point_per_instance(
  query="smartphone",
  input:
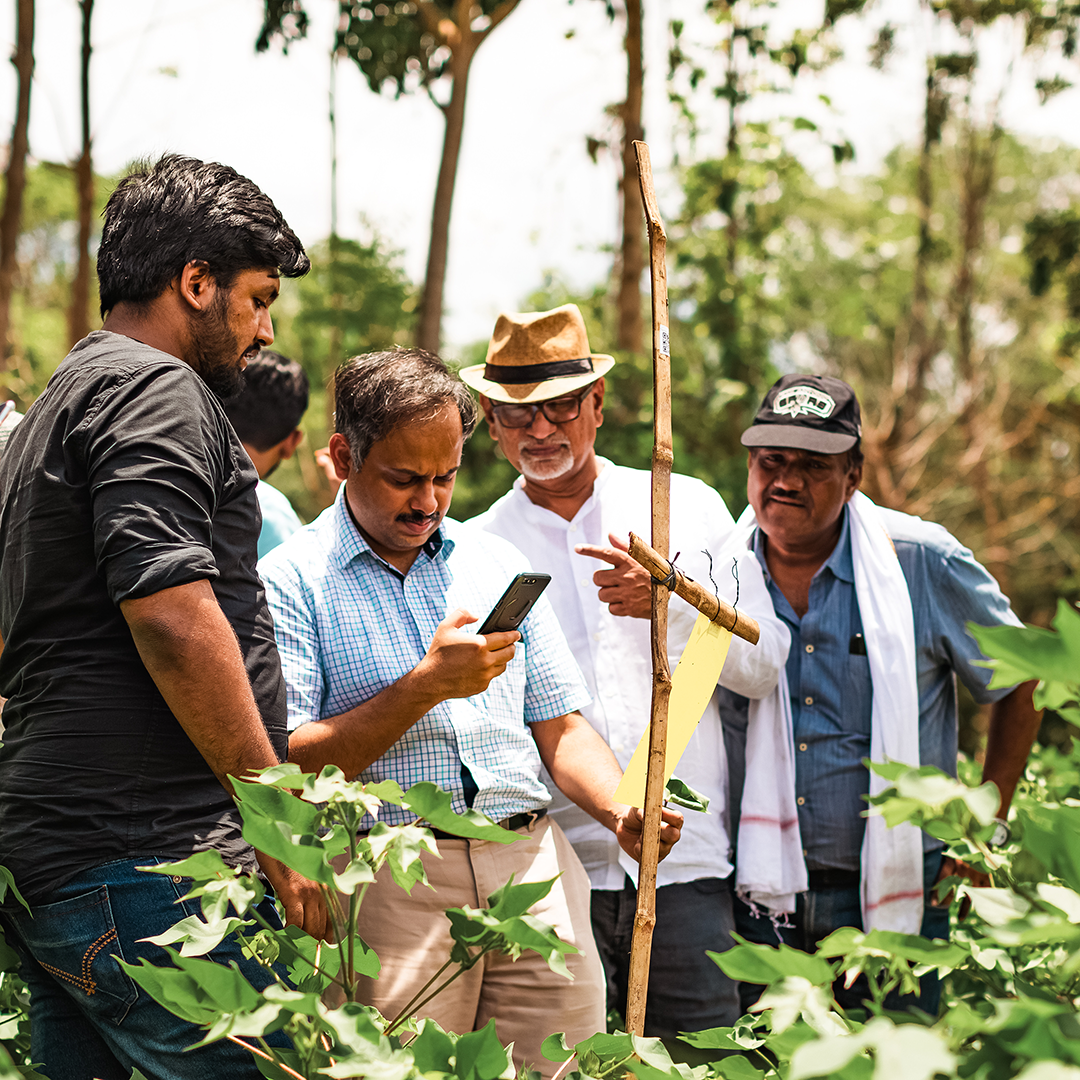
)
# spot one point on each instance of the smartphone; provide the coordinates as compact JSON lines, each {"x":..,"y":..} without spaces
{"x":514,"y":604}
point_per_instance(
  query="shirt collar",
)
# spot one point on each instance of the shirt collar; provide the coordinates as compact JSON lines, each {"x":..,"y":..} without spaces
{"x":349,"y":543}
{"x":839,"y":562}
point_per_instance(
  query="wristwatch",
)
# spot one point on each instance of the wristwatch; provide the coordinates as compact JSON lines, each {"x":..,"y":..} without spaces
{"x":1001,"y":835}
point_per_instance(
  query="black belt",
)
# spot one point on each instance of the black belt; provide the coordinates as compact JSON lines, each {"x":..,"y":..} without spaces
{"x":834,"y":879}
{"x":518,"y":821}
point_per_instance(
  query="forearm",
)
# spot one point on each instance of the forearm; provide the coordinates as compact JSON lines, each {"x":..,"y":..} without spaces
{"x":1014,"y":723}
{"x":191,"y":653}
{"x":354,"y":739}
{"x":581,"y":764}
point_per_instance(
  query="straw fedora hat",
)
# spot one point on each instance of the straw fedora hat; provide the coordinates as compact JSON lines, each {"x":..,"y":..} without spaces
{"x":537,"y":356}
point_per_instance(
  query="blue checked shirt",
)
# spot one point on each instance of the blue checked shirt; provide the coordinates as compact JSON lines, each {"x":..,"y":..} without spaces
{"x":348,"y":625}
{"x":829,"y":676}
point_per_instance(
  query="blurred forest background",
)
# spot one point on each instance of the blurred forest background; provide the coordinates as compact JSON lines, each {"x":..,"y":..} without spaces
{"x":945,"y":286}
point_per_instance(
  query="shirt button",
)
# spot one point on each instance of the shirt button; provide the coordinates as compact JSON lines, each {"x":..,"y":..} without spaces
{"x":808,"y":700}
{"x":802,"y":746}
{"x":809,"y":648}
{"x":573,"y":528}
{"x":585,"y":582}
{"x":801,"y":801}
{"x":596,"y":637}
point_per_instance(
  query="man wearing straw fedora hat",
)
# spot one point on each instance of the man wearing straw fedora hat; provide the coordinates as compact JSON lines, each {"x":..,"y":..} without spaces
{"x":542,"y":392}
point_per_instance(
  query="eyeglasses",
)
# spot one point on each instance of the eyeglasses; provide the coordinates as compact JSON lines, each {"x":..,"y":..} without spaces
{"x":560,"y":410}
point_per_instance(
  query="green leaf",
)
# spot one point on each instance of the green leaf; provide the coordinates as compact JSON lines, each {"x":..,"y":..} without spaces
{"x":216,"y":885}
{"x":402,"y":847}
{"x":505,"y":927}
{"x":198,"y":936}
{"x":205,"y":865}
{"x":432,"y":1049}
{"x":7,"y":881}
{"x":849,"y":943}
{"x":719,"y":1038}
{"x":735,"y":1068}
{"x":554,"y":1048}
{"x":1050,"y":834}
{"x":934,"y":801}
{"x":371,"y":1054}
{"x":998,"y":906}
{"x":768,"y":964}
{"x":682,"y":794}
{"x":480,"y":1055}
{"x":195,"y":990}
{"x":286,"y":828}
{"x":1019,"y":653}
{"x":433,"y":805}
{"x":797,"y":997}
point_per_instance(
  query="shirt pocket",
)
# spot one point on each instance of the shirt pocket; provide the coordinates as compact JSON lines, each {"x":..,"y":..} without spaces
{"x":858,"y":695}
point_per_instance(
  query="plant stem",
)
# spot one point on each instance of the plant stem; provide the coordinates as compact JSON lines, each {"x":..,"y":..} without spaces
{"x":315,"y":967}
{"x":267,"y":1057}
{"x":564,"y":1066}
{"x":405,"y":1012}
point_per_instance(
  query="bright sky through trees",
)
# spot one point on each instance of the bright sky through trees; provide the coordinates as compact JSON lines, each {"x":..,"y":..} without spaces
{"x":185,"y":77}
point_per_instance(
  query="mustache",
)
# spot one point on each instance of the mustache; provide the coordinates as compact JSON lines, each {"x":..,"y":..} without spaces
{"x":416,"y":518}
{"x":544,"y":444}
{"x":252,"y":351}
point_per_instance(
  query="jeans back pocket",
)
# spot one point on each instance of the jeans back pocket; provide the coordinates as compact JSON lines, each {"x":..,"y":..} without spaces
{"x":74,"y":941}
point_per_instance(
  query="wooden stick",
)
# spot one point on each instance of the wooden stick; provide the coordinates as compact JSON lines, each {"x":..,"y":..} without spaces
{"x":645,"y":918}
{"x":709,"y":604}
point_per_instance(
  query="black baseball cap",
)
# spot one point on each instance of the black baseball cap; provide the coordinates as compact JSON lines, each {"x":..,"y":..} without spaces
{"x":808,"y":412}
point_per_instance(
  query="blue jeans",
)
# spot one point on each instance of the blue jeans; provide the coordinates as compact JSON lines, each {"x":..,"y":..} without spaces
{"x":88,"y":1020}
{"x":687,"y":991}
{"x":821,"y":911}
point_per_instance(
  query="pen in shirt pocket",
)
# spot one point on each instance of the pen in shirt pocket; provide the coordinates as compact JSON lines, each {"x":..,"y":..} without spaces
{"x":857,"y":645}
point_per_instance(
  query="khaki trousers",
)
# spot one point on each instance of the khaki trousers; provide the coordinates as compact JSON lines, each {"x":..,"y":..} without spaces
{"x":411,"y":936}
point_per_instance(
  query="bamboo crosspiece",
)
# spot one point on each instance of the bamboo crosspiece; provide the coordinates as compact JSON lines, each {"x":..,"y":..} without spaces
{"x":645,"y":919}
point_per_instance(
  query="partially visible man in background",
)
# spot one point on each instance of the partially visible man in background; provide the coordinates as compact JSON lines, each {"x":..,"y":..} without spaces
{"x":266,"y":414}
{"x":138,"y":657}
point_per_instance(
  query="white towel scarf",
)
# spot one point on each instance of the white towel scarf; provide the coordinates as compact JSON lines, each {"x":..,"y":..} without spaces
{"x":771,"y":869}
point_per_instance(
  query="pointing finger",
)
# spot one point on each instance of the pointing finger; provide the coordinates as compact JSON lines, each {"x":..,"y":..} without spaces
{"x":610,"y":555}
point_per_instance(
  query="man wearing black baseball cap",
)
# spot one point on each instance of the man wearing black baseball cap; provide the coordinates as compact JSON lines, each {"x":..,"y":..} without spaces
{"x":877,"y":603}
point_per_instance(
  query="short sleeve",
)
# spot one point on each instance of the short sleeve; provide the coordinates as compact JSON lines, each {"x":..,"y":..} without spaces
{"x":961,"y":590}
{"x":554,"y":685}
{"x":156,"y":457}
{"x":296,"y":630}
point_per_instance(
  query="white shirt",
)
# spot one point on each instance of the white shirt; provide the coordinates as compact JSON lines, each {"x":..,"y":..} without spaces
{"x":614,"y":651}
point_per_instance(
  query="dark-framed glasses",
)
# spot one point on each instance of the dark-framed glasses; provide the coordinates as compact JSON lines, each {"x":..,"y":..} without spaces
{"x":560,"y":410}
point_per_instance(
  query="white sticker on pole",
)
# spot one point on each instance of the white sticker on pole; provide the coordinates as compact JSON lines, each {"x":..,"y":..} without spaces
{"x":665,"y":342}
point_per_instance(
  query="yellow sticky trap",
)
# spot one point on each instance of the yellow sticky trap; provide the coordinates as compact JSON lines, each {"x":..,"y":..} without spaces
{"x":692,"y":685}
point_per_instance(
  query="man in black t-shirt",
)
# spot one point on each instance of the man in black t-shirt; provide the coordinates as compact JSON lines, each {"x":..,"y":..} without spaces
{"x":138,"y":656}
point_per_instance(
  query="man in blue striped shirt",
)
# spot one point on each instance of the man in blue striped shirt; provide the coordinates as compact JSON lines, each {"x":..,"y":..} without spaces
{"x":371,"y":604}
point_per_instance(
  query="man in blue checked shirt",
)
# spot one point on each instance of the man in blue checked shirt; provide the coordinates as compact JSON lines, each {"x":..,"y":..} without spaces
{"x":371,"y":602}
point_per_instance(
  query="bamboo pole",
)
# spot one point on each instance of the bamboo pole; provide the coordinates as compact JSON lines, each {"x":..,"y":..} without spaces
{"x":645,"y":918}
{"x":709,"y":604}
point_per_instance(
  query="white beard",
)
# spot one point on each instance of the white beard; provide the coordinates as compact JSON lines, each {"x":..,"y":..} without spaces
{"x":549,"y":468}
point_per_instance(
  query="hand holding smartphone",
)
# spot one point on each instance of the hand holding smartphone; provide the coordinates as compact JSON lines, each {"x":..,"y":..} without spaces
{"x":514,"y":604}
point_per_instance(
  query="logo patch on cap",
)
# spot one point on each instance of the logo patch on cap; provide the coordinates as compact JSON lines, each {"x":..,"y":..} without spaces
{"x":800,"y":400}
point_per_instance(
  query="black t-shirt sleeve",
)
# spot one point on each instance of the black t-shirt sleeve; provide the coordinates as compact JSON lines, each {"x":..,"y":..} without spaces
{"x":152,"y":447}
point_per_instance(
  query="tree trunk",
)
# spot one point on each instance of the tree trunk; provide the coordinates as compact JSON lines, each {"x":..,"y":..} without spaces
{"x":11,"y":217}
{"x":79,"y":312}
{"x":428,"y":328}
{"x":632,"y":262}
